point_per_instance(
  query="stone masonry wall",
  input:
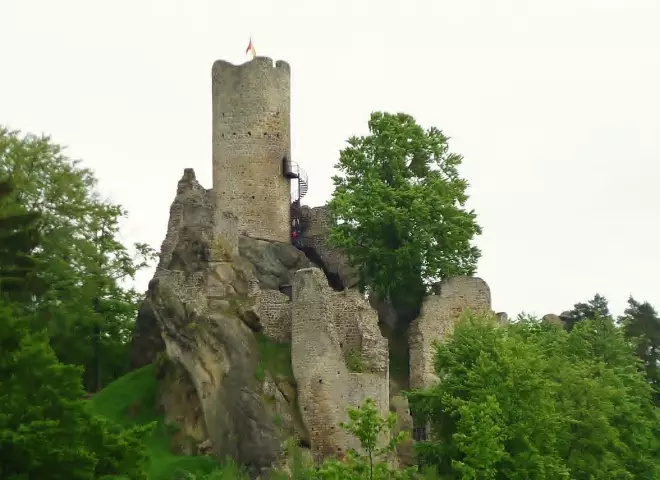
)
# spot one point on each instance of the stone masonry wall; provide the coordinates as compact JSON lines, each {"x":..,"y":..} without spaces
{"x":436,"y":321}
{"x":251,"y":136}
{"x":324,"y":323}
{"x":316,"y":223}
{"x":274,"y":311}
{"x":191,"y":224}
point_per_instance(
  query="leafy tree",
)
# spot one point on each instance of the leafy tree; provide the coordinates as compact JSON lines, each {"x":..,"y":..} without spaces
{"x":369,"y":428}
{"x":45,"y":430}
{"x":399,"y":209}
{"x":641,"y":323}
{"x":19,"y":236}
{"x":530,"y":400}
{"x":86,"y":309}
{"x":596,"y":307}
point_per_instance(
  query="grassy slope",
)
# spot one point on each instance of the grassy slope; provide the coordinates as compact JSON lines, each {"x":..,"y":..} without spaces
{"x":137,"y":392}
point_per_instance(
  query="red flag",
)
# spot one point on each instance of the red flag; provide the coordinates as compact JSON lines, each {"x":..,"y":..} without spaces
{"x":250,"y":49}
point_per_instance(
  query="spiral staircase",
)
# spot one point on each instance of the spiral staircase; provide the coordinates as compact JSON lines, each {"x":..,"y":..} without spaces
{"x":293,"y":172}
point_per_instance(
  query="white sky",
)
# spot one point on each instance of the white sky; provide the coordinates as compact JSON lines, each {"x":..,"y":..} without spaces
{"x":554,"y":104}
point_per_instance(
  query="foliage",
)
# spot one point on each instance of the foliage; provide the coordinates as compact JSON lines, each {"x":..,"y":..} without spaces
{"x":131,"y":401}
{"x":531,"y":400}
{"x":86,"y":309}
{"x":45,"y":430}
{"x":229,"y":470}
{"x":399,"y":209}
{"x":596,"y":307}
{"x":370,"y":429}
{"x":354,"y":360}
{"x":274,"y":358}
{"x":641,"y":322}
{"x":19,"y":237}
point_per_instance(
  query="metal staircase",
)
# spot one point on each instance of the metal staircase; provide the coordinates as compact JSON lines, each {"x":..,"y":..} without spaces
{"x":292,"y":171}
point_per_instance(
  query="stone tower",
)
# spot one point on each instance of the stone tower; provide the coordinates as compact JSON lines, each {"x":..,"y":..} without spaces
{"x":251,"y":140}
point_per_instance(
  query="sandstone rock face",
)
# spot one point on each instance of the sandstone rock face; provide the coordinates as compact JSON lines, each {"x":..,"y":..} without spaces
{"x":199,"y":300}
{"x":436,"y":321}
{"x":326,"y":325}
{"x":275,"y":263}
{"x":180,"y":405}
{"x":315,"y":227}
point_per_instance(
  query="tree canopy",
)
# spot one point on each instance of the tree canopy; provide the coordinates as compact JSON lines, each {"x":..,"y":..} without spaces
{"x":399,"y":209}
{"x":86,"y":306}
{"x":531,"y":400}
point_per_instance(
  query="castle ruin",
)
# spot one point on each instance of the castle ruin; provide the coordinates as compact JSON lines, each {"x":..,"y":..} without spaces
{"x":228,"y":270}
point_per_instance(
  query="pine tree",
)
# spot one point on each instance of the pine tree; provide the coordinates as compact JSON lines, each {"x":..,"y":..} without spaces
{"x":641,"y":322}
{"x":596,"y":307}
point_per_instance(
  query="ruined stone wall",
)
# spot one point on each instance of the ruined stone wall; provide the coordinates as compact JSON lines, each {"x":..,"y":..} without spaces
{"x":318,"y":364}
{"x":184,"y":252}
{"x":324,"y":325}
{"x":436,"y":322}
{"x":274,"y":311}
{"x":251,"y":136}
{"x":316,"y":225}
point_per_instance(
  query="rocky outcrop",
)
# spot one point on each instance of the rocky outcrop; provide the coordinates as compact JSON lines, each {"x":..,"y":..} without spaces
{"x":326,"y":326}
{"x":275,"y":263}
{"x":334,"y":262}
{"x":214,"y":290}
{"x":203,"y":302}
{"x":436,"y":322}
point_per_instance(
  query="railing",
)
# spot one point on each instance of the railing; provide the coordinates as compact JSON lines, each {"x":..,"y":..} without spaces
{"x":292,"y":171}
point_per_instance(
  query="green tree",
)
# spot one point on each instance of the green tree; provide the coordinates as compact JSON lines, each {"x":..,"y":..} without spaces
{"x":87,"y":309}
{"x":19,"y":236}
{"x":596,"y":307}
{"x":46,"y":432}
{"x":640,"y":322}
{"x":530,"y":400}
{"x":367,"y":425}
{"x":399,"y":209}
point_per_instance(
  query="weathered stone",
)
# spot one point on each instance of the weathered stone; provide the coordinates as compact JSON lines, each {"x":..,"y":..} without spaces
{"x":178,"y":400}
{"x":274,"y":263}
{"x":315,"y":227}
{"x":285,"y":414}
{"x":436,"y":322}
{"x":220,"y":355}
{"x":288,"y":390}
{"x":324,"y":325}
{"x":502,"y":318}
{"x":404,"y":423}
{"x":251,"y":135}
{"x":274,"y":311}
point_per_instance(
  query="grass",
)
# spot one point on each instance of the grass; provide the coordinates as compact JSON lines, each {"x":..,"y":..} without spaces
{"x":130,"y":401}
{"x":274,"y":358}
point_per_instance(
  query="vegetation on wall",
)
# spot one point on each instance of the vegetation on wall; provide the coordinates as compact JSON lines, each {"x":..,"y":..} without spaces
{"x":399,"y":209}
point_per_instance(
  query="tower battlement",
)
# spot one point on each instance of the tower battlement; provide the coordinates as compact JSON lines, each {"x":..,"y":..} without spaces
{"x":251,"y":137}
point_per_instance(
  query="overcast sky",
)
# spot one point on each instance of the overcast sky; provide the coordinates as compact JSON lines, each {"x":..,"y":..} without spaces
{"x":555,"y":105}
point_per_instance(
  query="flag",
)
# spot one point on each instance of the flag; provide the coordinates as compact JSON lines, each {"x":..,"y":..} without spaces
{"x":250,"y":49}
